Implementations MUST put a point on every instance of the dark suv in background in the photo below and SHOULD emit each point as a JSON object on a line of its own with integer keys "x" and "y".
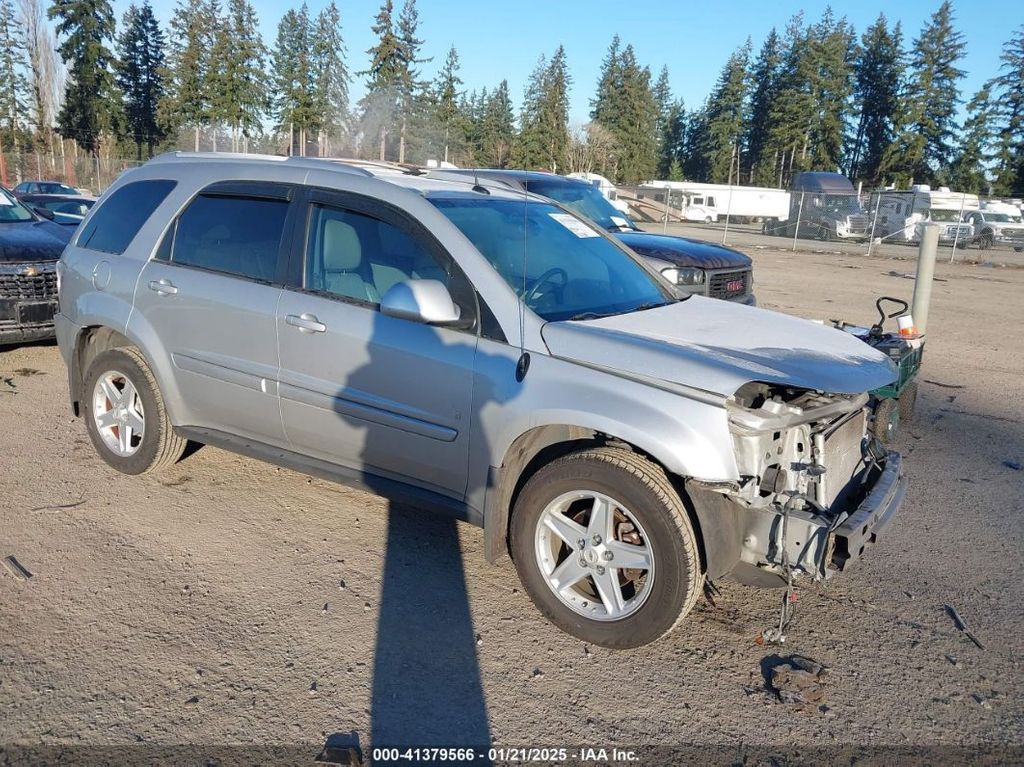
{"x": 29, "y": 248}
{"x": 693, "y": 266}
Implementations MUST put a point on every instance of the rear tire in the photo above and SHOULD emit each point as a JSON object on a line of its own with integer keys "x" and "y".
{"x": 908, "y": 402}
{"x": 887, "y": 420}
{"x": 566, "y": 556}
{"x": 125, "y": 414}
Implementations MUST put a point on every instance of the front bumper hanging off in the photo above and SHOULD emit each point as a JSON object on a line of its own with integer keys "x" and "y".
{"x": 873, "y": 515}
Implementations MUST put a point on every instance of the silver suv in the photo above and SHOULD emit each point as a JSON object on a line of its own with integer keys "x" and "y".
{"x": 480, "y": 352}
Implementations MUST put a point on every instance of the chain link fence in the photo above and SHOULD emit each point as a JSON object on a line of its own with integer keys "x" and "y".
{"x": 884, "y": 222}
{"x": 85, "y": 172}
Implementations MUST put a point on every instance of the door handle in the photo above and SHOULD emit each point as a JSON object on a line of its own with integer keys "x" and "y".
{"x": 306, "y": 322}
{"x": 163, "y": 287}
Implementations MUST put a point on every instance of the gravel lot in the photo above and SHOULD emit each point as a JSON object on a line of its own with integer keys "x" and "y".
{"x": 229, "y": 601}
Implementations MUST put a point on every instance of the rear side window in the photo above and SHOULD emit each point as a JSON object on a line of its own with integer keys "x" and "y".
{"x": 234, "y": 235}
{"x": 118, "y": 219}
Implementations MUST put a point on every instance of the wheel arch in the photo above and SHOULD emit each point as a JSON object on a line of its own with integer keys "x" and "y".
{"x": 90, "y": 342}
{"x": 541, "y": 445}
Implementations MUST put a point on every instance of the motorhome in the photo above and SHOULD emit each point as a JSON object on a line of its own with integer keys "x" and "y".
{"x": 605, "y": 187}
{"x": 900, "y": 215}
{"x": 708, "y": 203}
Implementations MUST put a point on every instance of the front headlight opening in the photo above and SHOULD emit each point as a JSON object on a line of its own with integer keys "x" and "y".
{"x": 686, "y": 276}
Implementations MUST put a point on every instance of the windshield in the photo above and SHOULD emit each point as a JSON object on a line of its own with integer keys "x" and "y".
{"x": 584, "y": 200}
{"x": 11, "y": 209}
{"x": 52, "y": 187}
{"x": 571, "y": 270}
{"x": 937, "y": 214}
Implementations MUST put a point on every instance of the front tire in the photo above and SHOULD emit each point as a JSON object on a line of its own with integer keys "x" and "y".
{"x": 125, "y": 414}
{"x": 604, "y": 547}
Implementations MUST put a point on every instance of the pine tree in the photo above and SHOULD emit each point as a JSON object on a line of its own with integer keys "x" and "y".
{"x": 446, "y": 114}
{"x": 413, "y": 99}
{"x": 90, "y": 103}
{"x": 238, "y": 91}
{"x": 931, "y": 99}
{"x": 379, "y": 105}
{"x": 543, "y": 140}
{"x": 140, "y": 76}
{"x": 764, "y": 85}
{"x": 967, "y": 173}
{"x": 14, "y": 88}
{"x": 498, "y": 133}
{"x": 878, "y": 74}
{"x": 604, "y": 106}
{"x": 671, "y": 147}
{"x": 1008, "y": 117}
{"x": 330, "y": 76}
{"x": 722, "y": 133}
{"x": 662, "y": 93}
{"x": 194, "y": 26}
{"x": 293, "y": 78}
{"x": 792, "y": 107}
{"x": 831, "y": 87}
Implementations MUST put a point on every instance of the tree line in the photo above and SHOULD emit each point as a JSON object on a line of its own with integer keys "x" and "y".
{"x": 815, "y": 96}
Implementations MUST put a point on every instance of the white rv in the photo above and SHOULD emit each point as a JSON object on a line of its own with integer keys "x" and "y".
{"x": 710, "y": 202}
{"x": 900, "y": 215}
{"x": 605, "y": 187}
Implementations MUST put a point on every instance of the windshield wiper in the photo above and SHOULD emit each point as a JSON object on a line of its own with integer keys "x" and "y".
{"x": 587, "y": 316}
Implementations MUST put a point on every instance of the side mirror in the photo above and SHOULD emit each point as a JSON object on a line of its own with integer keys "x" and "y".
{"x": 425, "y": 301}
{"x": 44, "y": 212}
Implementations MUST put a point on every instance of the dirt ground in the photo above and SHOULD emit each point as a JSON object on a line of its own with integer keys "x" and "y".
{"x": 229, "y": 601}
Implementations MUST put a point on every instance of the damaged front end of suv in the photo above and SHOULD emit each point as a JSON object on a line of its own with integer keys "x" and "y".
{"x": 815, "y": 487}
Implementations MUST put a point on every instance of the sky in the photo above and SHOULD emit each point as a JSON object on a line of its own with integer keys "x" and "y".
{"x": 502, "y": 39}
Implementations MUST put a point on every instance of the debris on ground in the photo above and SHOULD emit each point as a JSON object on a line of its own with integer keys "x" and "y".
{"x": 1015, "y": 465}
{"x": 909, "y": 276}
{"x": 28, "y": 372}
{"x": 796, "y": 680}
{"x": 16, "y": 568}
{"x": 944, "y": 385}
{"x": 57, "y": 507}
{"x": 962, "y": 625}
{"x": 8, "y": 382}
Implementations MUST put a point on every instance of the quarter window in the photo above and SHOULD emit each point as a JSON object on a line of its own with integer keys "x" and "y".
{"x": 234, "y": 235}
{"x": 118, "y": 218}
{"x": 357, "y": 256}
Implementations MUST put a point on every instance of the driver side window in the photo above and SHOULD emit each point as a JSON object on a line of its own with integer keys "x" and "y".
{"x": 355, "y": 256}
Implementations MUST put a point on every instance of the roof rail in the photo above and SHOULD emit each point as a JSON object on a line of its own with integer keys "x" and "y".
{"x": 321, "y": 163}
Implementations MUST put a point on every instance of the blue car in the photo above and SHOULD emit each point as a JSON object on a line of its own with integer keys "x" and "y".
{"x": 693, "y": 266}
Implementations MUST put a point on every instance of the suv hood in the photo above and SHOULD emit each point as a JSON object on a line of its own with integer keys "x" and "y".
{"x": 718, "y": 346}
{"x": 682, "y": 251}
{"x": 32, "y": 241}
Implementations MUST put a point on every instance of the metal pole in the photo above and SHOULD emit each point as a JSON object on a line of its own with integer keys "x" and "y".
{"x": 874, "y": 221}
{"x": 728, "y": 210}
{"x": 926, "y": 253}
{"x": 668, "y": 207}
{"x": 959, "y": 220}
{"x": 799, "y": 212}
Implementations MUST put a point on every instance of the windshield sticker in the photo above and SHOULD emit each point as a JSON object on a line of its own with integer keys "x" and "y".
{"x": 574, "y": 225}
{"x": 5, "y": 200}
{"x": 620, "y": 222}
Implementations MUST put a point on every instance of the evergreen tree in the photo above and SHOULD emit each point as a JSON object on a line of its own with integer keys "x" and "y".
{"x": 672, "y": 147}
{"x": 662, "y": 93}
{"x": 140, "y": 76}
{"x": 543, "y": 140}
{"x": 379, "y": 105}
{"x": 87, "y": 28}
{"x": 967, "y": 173}
{"x": 446, "y": 113}
{"x": 498, "y": 131}
{"x": 720, "y": 139}
{"x": 791, "y": 110}
{"x": 238, "y": 92}
{"x": 931, "y": 99}
{"x": 413, "y": 99}
{"x": 1008, "y": 117}
{"x": 832, "y": 48}
{"x": 293, "y": 78}
{"x": 765, "y": 75}
{"x": 194, "y": 26}
{"x": 694, "y": 159}
{"x": 330, "y": 76}
{"x": 878, "y": 77}
{"x": 14, "y": 87}
{"x": 628, "y": 107}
